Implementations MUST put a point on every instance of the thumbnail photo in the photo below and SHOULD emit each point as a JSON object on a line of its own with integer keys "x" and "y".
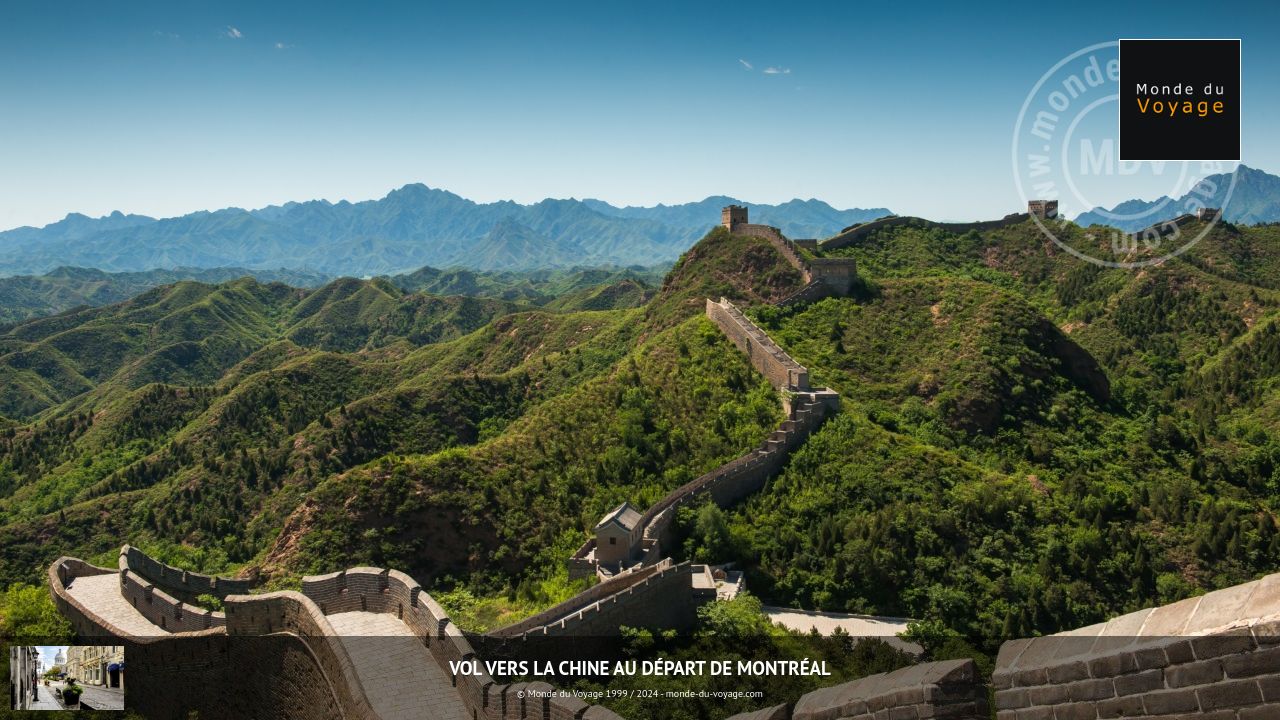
{"x": 66, "y": 677}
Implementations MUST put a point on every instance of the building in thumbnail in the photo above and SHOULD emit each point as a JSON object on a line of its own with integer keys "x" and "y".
{"x": 24, "y": 667}
{"x": 96, "y": 665}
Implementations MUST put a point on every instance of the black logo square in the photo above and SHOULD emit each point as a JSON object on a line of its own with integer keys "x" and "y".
{"x": 1180, "y": 100}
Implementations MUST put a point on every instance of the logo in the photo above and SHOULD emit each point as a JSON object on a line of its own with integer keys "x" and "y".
{"x": 1065, "y": 150}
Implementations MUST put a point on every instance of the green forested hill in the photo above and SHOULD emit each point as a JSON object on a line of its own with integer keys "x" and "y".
{"x": 1028, "y": 442}
{"x": 217, "y": 425}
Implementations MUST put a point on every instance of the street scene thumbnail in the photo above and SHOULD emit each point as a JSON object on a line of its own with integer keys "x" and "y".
{"x": 66, "y": 677}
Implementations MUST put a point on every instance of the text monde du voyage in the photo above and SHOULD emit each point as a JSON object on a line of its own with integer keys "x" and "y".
{"x": 1181, "y": 99}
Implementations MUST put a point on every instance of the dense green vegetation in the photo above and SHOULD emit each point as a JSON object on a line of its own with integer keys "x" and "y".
{"x": 981, "y": 475}
{"x": 217, "y": 426}
{"x": 1028, "y": 443}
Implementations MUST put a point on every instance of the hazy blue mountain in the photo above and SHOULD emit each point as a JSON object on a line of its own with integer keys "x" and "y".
{"x": 411, "y": 227}
{"x": 1255, "y": 199}
{"x": 796, "y": 218}
{"x": 510, "y": 245}
{"x": 72, "y": 227}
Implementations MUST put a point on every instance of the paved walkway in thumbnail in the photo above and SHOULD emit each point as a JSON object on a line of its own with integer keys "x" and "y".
{"x": 399, "y": 676}
{"x": 102, "y": 698}
{"x": 101, "y": 593}
{"x": 45, "y": 699}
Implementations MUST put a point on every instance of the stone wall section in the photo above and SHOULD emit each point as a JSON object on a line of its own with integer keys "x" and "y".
{"x": 784, "y": 246}
{"x": 587, "y": 597}
{"x": 177, "y": 582}
{"x": 1161, "y": 229}
{"x": 229, "y": 678}
{"x": 854, "y": 233}
{"x": 665, "y": 599}
{"x": 765, "y": 355}
{"x": 84, "y": 621}
{"x": 253, "y": 616}
{"x": 162, "y": 609}
{"x": 732, "y": 482}
{"x": 1216, "y": 656}
{"x": 951, "y": 689}
{"x": 812, "y": 292}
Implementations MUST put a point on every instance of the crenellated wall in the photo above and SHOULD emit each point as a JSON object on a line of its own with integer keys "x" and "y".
{"x": 179, "y": 583}
{"x": 591, "y": 595}
{"x": 788, "y": 249}
{"x": 763, "y": 353}
{"x": 1216, "y": 656}
{"x": 824, "y": 277}
{"x": 663, "y": 598}
{"x": 732, "y": 482}
{"x": 84, "y": 621}
{"x": 163, "y": 610}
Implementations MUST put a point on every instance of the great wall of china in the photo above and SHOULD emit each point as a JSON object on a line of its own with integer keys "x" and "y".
{"x": 852, "y": 234}
{"x": 350, "y": 643}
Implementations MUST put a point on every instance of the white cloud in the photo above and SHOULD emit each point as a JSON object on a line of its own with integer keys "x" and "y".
{"x": 777, "y": 71}
{"x": 166, "y": 35}
{"x": 283, "y": 46}
{"x": 234, "y": 33}
{"x": 746, "y": 64}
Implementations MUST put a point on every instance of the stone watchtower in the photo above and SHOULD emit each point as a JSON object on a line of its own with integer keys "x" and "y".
{"x": 1045, "y": 209}
{"x": 733, "y": 215}
{"x": 1207, "y": 214}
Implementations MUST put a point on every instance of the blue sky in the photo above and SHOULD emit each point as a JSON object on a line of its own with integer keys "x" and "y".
{"x": 166, "y": 108}
{"x": 49, "y": 652}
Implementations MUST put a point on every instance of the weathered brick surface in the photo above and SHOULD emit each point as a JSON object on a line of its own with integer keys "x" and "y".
{"x": 583, "y": 599}
{"x": 1205, "y": 657}
{"x": 950, "y": 689}
{"x": 764, "y": 354}
{"x": 176, "y": 582}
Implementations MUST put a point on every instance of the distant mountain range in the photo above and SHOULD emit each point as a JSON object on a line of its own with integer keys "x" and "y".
{"x": 28, "y": 296}
{"x": 1255, "y": 199}
{"x": 409, "y": 228}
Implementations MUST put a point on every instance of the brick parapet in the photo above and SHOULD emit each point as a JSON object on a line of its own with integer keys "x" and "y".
{"x": 764, "y": 354}
{"x": 949, "y": 689}
{"x": 665, "y": 599}
{"x": 292, "y": 612}
{"x": 784, "y": 246}
{"x": 587, "y": 597}
{"x": 1218, "y": 653}
{"x": 183, "y": 584}
{"x": 163, "y": 610}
